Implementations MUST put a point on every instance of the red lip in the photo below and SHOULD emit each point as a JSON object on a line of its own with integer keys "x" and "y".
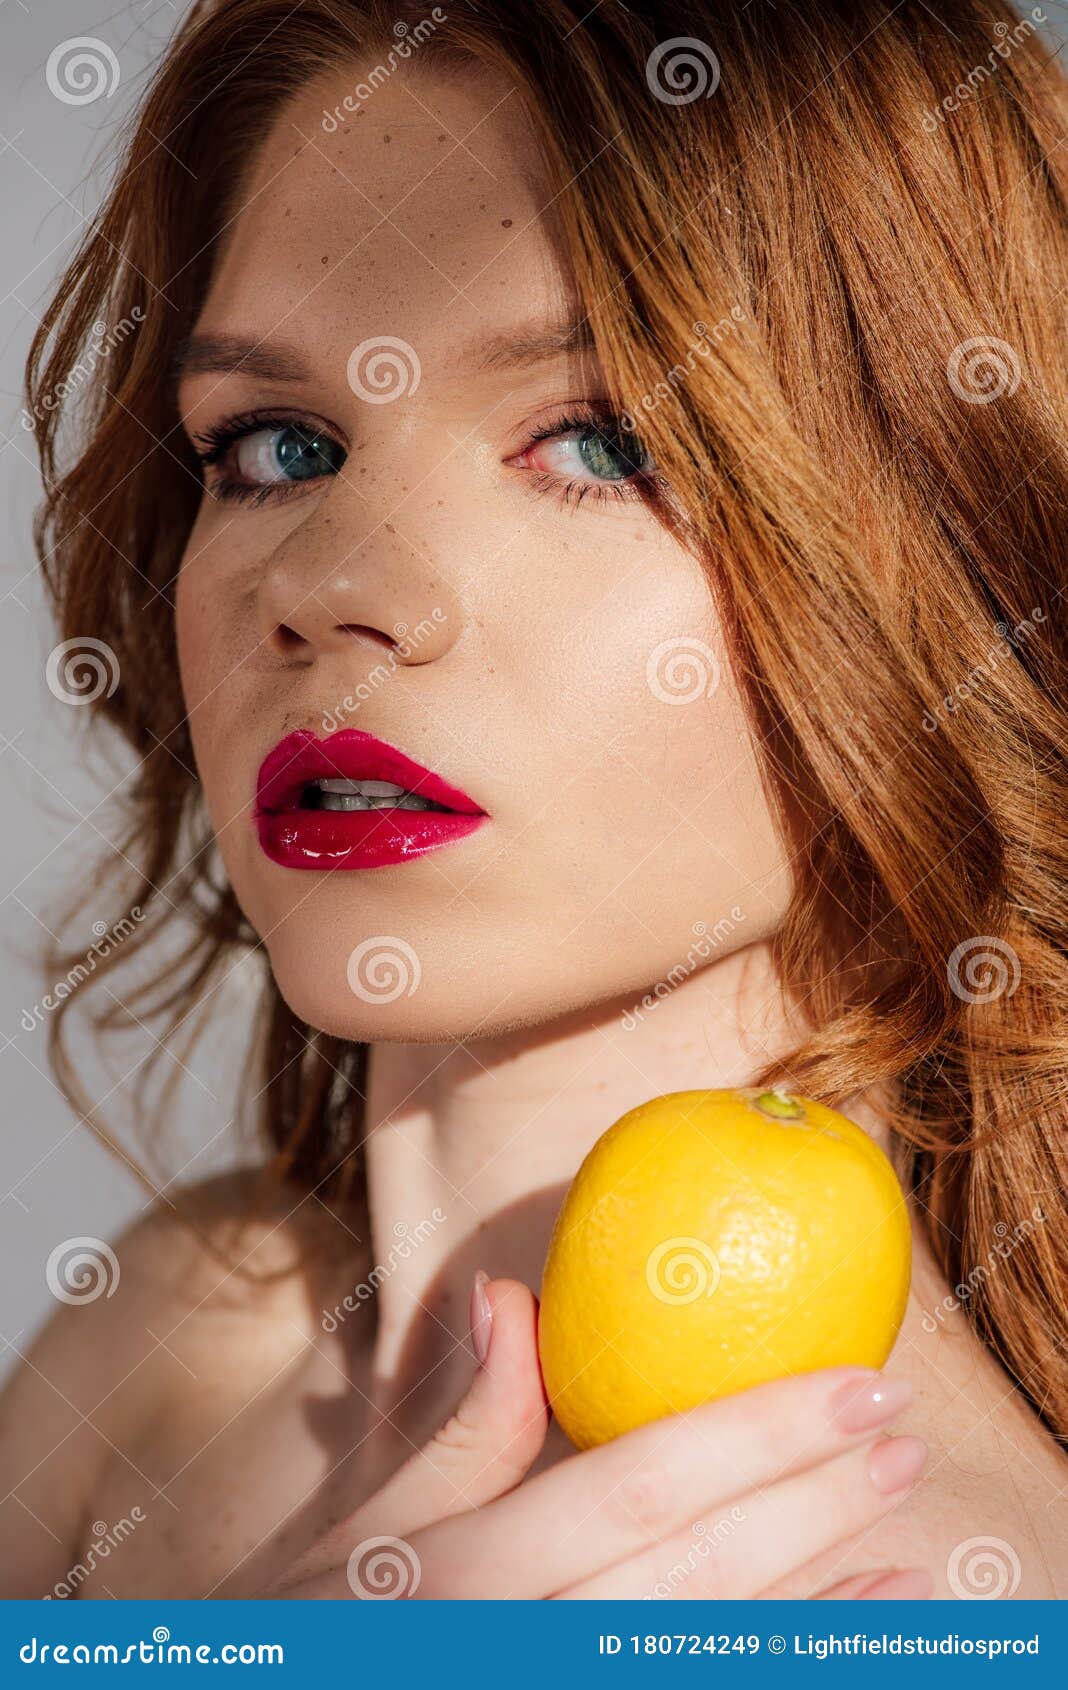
{"x": 297, "y": 837}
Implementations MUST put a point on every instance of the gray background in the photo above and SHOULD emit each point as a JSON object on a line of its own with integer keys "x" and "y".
{"x": 56, "y": 1182}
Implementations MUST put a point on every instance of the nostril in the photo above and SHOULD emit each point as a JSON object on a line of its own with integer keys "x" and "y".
{"x": 370, "y": 633}
{"x": 290, "y": 639}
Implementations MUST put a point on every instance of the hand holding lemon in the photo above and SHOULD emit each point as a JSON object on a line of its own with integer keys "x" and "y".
{"x": 711, "y": 1241}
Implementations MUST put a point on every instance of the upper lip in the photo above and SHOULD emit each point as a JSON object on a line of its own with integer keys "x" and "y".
{"x": 301, "y": 758}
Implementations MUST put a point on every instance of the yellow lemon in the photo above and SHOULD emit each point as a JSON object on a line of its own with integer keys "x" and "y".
{"x": 712, "y": 1240}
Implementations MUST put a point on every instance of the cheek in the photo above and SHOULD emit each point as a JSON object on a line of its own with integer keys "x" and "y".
{"x": 644, "y": 696}
{"x": 691, "y": 846}
{"x": 214, "y": 612}
{"x": 683, "y": 778}
{"x": 199, "y": 621}
{"x": 194, "y": 625}
{"x": 657, "y": 805}
{"x": 213, "y": 636}
{"x": 222, "y": 702}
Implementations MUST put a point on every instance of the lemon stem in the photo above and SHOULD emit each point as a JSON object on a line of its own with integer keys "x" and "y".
{"x": 778, "y": 1106}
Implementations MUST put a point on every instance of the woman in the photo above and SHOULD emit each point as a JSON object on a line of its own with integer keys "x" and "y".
{"x": 582, "y": 477}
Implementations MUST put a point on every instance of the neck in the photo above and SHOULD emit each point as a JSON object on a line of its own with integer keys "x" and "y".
{"x": 488, "y": 1134}
{"x": 471, "y": 1148}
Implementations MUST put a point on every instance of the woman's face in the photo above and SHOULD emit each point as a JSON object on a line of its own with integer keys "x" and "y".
{"x": 420, "y": 541}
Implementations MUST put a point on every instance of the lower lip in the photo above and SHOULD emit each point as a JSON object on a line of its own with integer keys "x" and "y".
{"x": 355, "y": 839}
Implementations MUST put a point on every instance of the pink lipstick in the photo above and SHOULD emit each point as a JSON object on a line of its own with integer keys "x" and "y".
{"x": 351, "y": 801}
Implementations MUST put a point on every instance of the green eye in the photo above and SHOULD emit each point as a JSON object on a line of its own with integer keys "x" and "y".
{"x": 291, "y": 453}
{"x": 577, "y": 457}
{"x": 256, "y": 459}
{"x": 611, "y": 454}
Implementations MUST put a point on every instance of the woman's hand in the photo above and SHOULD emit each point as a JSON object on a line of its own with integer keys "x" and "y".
{"x": 721, "y": 1502}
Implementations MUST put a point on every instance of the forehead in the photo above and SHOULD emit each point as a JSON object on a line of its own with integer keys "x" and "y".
{"x": 421, "y": 212}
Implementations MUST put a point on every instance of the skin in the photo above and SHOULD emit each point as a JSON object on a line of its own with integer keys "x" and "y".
{"x": 618, "y": 821}
{"x": 531, "y": 690}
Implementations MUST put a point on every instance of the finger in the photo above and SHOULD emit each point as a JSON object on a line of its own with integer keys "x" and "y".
{"x": 481, "y": 1451}
{"x": 770, "y": 1533}
{"x": 598, "y": 1508}
{"x": 494, "y": 1436}
{"x": 909, "y": 1584}
{"x": 848, "y": 1589}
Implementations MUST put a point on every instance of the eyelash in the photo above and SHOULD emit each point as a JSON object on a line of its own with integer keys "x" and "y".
{"x": 638, "y": 486}
{"x": 213, "y": 443}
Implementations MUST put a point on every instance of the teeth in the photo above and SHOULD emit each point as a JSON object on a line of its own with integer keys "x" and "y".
{"x": 345, "y": 801}
{"x": 361, "y": 788}
{"x": 368, "y": 795}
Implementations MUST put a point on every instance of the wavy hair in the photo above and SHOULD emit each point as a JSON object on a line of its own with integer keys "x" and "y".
{"x": 822, "y": 254}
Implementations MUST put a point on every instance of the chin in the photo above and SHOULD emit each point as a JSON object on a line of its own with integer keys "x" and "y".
{"x": 384, "y": 990}
{"x": 367, "y": 982}
{"x": 375, "y": 989}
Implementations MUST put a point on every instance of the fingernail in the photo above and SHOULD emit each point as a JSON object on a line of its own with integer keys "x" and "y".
{"x": 895, "y": 1463}
{"x": 860, "y": 1404}
{"x": 912, "y": 1585}
{"x": 481, "y": 1318}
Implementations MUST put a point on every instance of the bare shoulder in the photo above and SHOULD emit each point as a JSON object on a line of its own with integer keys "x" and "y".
{"x": 226, "y": 1271}
{"x": 229, "y": 1252}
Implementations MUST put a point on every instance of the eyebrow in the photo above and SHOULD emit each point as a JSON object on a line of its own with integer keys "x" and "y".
{"x": 228, "y": 354}
{"x": 520, "y": 350}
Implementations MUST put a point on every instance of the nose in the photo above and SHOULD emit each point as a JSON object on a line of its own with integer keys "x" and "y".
{"x": 374, "y": 594}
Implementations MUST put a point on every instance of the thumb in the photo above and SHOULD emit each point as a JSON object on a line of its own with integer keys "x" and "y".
{"x": 492, "y": 1438}
{"x": 484, "y": 1448}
